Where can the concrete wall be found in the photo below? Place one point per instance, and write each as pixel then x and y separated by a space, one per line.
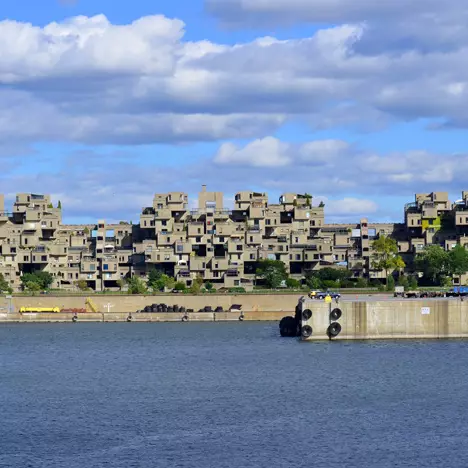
pixel 254 303
pixel 392 320
pixel 123 317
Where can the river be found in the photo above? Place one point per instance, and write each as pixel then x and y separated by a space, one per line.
pixel 202 395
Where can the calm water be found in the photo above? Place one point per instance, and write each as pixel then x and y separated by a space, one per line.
pixel 226 395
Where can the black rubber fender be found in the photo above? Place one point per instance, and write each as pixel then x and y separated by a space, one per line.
pixel 241 318
pixel 306 331
pixel 334 330
pixel 288 327
pixel 74 318
pixel 129 318
pixel 306 314
pixel 185 318
pixel 336 314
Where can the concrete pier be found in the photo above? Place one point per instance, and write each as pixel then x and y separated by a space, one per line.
pixel 414 319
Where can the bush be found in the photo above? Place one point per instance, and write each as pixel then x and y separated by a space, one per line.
pixel 179 286
pixel 136 285
pixel 390 283
pixel 236 290
pixel 208 286
pixel 330 284
pixel 361 283
pixel 403 281
pixel 43 279
pixel 314 283
pixel 292 283
pixel 412 283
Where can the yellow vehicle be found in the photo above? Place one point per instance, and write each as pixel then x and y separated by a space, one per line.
pixel 54 310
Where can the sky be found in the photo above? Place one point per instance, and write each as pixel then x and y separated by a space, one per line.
pixel 361 104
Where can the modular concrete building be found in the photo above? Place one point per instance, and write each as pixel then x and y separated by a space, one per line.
pixel 221 245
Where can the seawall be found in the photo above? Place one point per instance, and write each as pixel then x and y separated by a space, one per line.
pixel 419 319
pixel 130 304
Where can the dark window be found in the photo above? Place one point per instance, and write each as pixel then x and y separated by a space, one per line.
pixel 239 247
pixel 105 266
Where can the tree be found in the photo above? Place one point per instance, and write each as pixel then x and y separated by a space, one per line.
pixel 4 286
pixel 292 283
pixel 32 286
pixel 163 282
pixel 458 260
pixel 412 283
pixel 153 278
pixel 273 272
pixel 385 255
pixel 390 283
pixel 43 279
pixel 209 286
pixel 434 263
pixel 361 283
pixel 59 205
pixel 136 285
pixel 121 283
pixel 82 285
pixel 403 281
pixel 313 282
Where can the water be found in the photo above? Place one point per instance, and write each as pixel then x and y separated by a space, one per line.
pixel 226 395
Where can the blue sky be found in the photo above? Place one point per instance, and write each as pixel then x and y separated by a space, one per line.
pixel 104 103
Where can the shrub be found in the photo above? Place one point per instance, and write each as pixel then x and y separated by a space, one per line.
pixel 390 283
pixel 179 286
pixel 292 283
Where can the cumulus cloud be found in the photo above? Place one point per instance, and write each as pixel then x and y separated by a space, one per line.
pixel 88 80
pixel 272 152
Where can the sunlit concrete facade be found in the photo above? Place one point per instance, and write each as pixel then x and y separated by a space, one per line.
pixel 221 245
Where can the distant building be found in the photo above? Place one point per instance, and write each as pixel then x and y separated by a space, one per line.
pixel 218 244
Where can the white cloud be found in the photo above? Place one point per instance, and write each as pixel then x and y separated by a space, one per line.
pixel 268 152
pixel 87 80
pixel 348 206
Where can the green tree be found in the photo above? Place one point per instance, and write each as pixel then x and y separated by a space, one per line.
pixel 4 286
pixel 412 283
pixel 121 283
pixel 209 286
pixel 136 285
pixel 314 282
pixel 458 260
pixel 385 255
pixel 32 286
pixel 273 272
pixel 403 281
pixel 42 278
pixel 361 283
pixel 59 205
pixel 434 263
pixel 82 285
pixel 164 282
pixel 179 286
pixel 292 283
pixel 390 283
pixel 154 276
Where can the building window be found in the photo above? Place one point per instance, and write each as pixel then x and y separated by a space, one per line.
pixel 44 258
pixel 197 239
pixel 298 256
pixel 105 266
pixel 239 247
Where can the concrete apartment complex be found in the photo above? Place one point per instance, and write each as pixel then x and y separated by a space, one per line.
pixel 221 245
